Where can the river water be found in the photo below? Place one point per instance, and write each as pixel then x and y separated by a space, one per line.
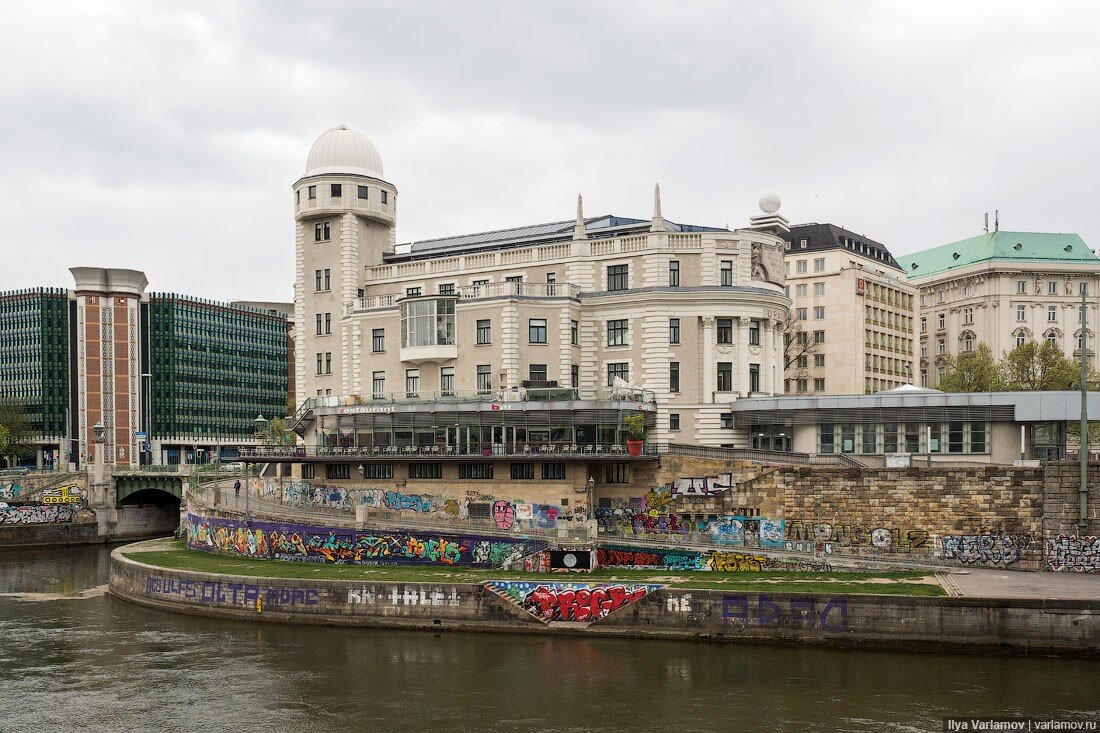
pixel 95 663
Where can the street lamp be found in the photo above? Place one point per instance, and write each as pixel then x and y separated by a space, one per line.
pixel 362 471
pixel 259 426
pixel 100 433
pixel 591 484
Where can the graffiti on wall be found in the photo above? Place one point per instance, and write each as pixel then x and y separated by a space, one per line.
pixel 408 595
pixel 702 485
pixel 210 592
pixel 9 491
pixel 50 514
pixel 310 543
pixel 832 616
pixel 865 537
pixel 1073 554
pixel 720 561
pixel 579 602
pixel 984 549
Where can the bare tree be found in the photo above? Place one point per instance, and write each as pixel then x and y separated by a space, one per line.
pixel 797 341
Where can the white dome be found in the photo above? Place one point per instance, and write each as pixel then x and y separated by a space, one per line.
pixel 341 150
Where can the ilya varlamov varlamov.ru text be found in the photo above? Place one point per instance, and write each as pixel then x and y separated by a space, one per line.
pixel 1022 724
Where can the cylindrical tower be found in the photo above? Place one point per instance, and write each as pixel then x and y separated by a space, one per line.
pixel 345 214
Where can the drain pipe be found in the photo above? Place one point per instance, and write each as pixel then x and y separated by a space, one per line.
pixel 1083 489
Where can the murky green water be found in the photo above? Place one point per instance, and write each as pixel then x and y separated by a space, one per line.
pixel 98 664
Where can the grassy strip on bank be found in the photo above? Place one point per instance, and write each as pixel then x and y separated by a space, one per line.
pixel 176 556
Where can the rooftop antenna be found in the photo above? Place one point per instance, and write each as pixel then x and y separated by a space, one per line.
pixel 996 220
pixel 987 222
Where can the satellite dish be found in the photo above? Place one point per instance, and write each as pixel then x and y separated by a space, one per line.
pixel 770 202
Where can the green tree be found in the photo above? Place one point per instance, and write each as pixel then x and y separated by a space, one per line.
pixel 15 432
pixel 277 433
pixel 972 372
pixel 1038 366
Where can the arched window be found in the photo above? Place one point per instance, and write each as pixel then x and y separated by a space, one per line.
pixel 966 339
pixel 1083 341
pixel 1022 336
pixel 1053 337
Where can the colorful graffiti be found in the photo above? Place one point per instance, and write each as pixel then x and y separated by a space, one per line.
pixel 504 514
pixel 984 549
pixel 702 485
pixel 50 514
pixel 577 602
pixel 1073 554
pixel 309 543
pixel 858 536
pixel 798 612
pixel 719 561
pixel 396 501
pixel 9 491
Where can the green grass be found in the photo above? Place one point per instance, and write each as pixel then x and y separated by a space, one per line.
pixel 176 556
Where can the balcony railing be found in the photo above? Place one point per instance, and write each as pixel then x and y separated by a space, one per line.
pixel 517 394
pixel 533 451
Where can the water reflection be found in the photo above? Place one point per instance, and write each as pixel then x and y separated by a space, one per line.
pixel 104 665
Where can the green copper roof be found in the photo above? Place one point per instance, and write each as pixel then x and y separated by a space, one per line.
pixel 1000 246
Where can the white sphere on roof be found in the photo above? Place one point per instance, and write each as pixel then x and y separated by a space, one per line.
pixel 341 150
pixel 770 202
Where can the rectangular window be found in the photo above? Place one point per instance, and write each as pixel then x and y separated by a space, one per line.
pixel 485 331
pixel 447 381
pixel 754 333
pixel 425 470
pixel 484 378
pixel 309 470
pixel 727 273
pixel 674 376
pixel 819 312
pixel 1052 313
pixel 924 324
pixel 328 279
pixel 800 290
pixel 674 274
pixel 826 439
pixel 819 264
pixel 1083 289
pixel 674 421
pixel 1052 287
pixel 1021 313
pixel 413 292
pixel 522 471
pixel 575 374
pixel 725 330
pixel 320 363
pixel 378 470
pixel 819 337
pixel 475 470
pixel 819 288
pixel 819 385
pixel 537 372
pixel 476 283
pixel 317 280
pixel 977 437
pixel 378 340
pixel 551 278
pixel 362 192
pixel 553 471
pixel 575 333
pixel 378 385
pixel 313 192
pixel 514 279
pixel 803 361
pixel 800 267
pixel 725 420
pixel 338 471
pixel 336 191
pixel 968 316
pixel 321 231
pixel 328 324
pixel 412 382
pixel 328 362
pixel 1021 286
pixel 619 369
pixel 754 377
pixel 617 473
pixel 674 330
pixel 616 332
pixel 536 330
pixel 942 321
pixel 800 385
pixel 819 360
pixel 941 346
pixel 446 288
pixel 725 376
pixel 318 317
pixel 385 196
pixel 618 277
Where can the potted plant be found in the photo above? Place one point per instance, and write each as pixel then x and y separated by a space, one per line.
pixel 635 431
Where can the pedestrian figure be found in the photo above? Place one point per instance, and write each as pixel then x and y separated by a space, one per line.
pixel 237 487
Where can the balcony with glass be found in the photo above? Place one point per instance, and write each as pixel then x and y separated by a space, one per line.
pixel 428 329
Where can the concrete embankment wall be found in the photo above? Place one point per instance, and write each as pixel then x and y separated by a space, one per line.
pixel 631 610
pixel 44 535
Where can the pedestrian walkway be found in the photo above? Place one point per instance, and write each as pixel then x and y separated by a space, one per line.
pixel 1018 584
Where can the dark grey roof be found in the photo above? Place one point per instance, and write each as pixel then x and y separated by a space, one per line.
pixel 820 237
pixel 598 227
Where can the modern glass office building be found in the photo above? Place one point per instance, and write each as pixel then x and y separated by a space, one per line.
pixel 34 368
pixel 214 367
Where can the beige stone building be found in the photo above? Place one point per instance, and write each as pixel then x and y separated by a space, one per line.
pixel 853 314
pixel 692 315
pixel 1003 289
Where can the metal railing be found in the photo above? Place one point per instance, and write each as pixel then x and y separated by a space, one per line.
pixel 467 450
pixel 513 394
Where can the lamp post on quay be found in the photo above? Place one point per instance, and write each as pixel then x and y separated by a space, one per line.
pixel 259 427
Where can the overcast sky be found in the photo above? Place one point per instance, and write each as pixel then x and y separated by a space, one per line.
pixel 165 137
